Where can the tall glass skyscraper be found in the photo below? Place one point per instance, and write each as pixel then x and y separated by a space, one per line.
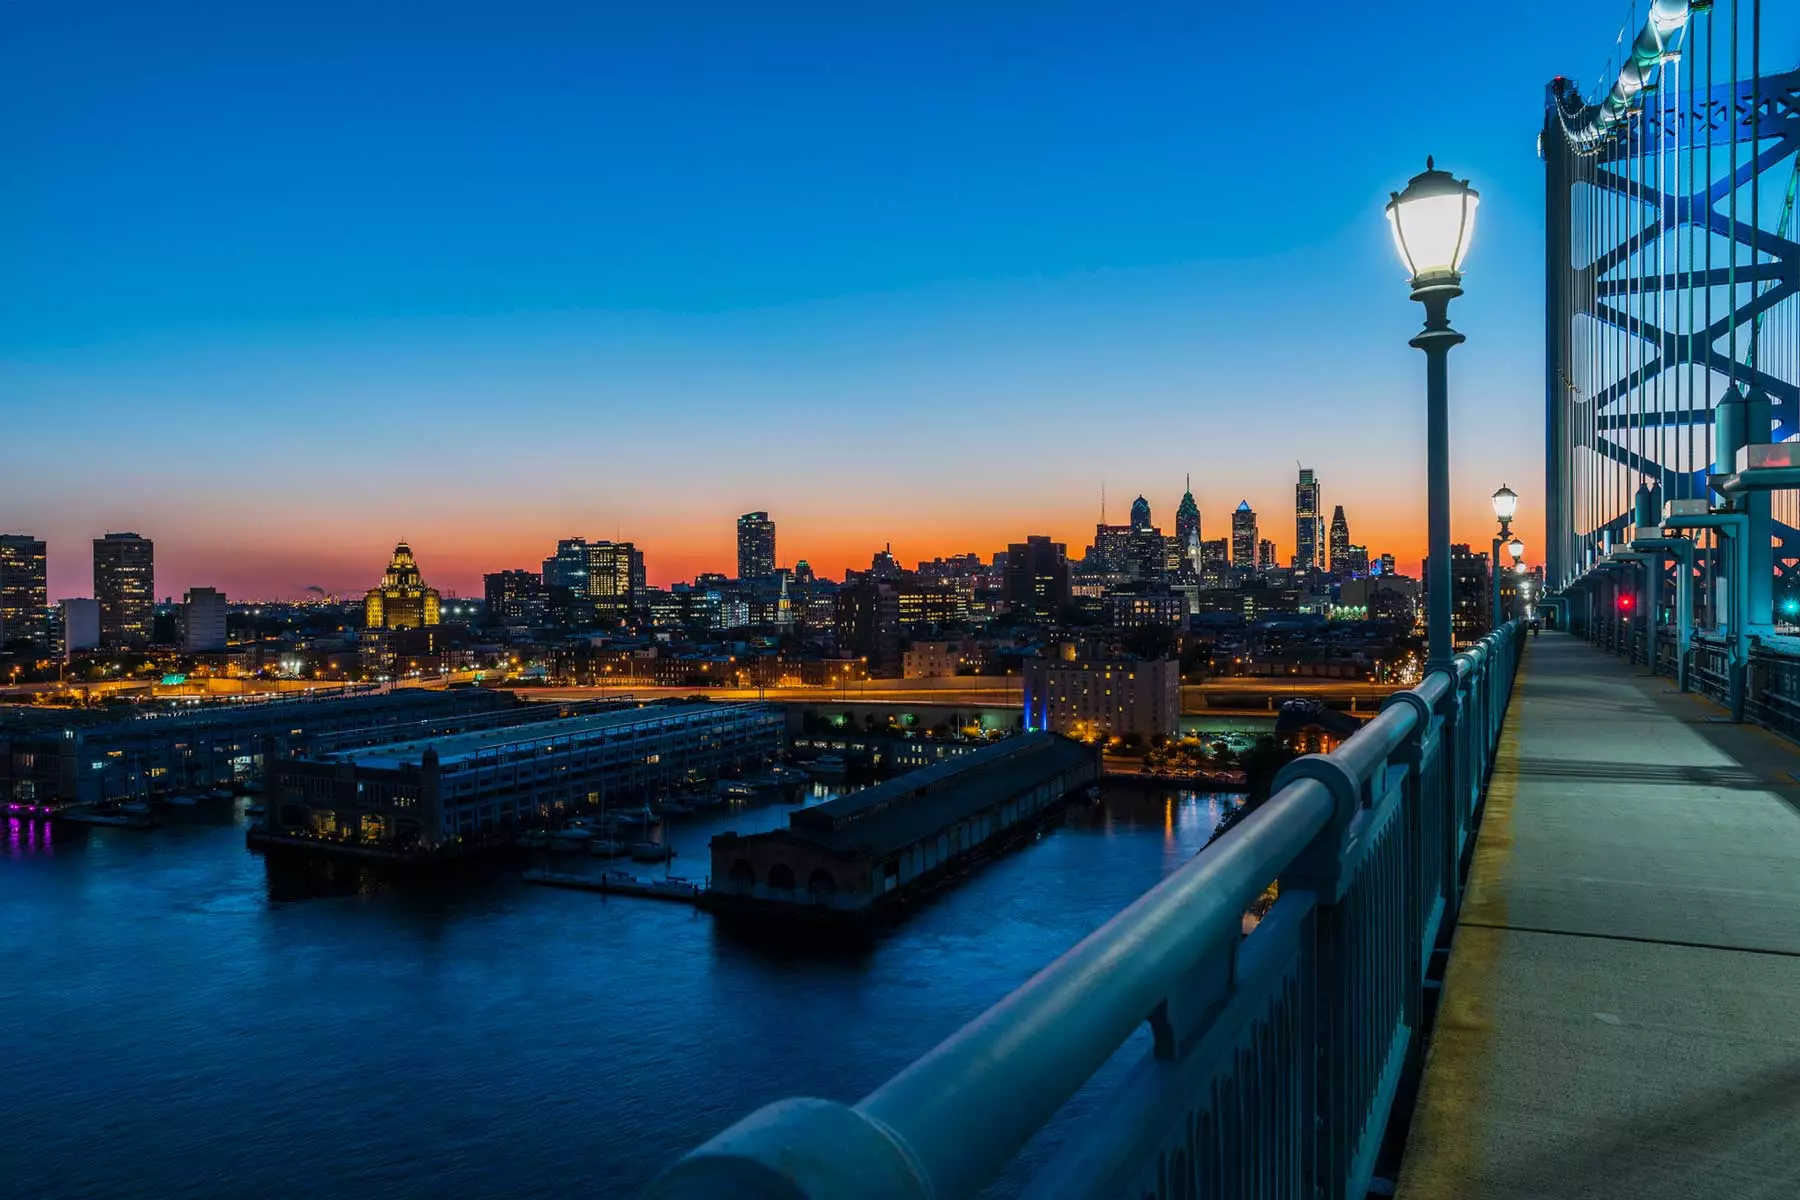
pixel 1140 513
pixel 569 568
pixel 1306 522
pixel 1243 537
pixel 756 546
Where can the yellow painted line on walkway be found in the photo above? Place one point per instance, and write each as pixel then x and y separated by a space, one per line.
pixel 1440 1151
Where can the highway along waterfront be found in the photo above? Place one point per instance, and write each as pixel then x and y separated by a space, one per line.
pixel 192 1019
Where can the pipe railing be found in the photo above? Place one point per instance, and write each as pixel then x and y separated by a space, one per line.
pixel 1275 1056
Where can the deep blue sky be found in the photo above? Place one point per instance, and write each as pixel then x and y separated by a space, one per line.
pixel 282 284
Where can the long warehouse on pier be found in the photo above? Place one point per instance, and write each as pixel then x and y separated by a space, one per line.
pixel 425 796
pixel 847 856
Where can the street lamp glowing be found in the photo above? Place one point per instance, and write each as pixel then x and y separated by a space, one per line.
pixel 1516 548
pixel 1506 503
pixel 1433 222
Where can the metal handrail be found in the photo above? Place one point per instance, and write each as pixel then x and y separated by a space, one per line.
pixel 1364 842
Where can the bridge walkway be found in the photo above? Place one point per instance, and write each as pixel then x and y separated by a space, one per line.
pixel 1622 1003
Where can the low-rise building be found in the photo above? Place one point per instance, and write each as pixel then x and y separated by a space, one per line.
pixel 1103 697
pixel 53 759
pixel 432 794
pixel 936 660
pixel 1137 607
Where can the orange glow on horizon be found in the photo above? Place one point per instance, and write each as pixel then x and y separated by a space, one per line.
pixel 453 556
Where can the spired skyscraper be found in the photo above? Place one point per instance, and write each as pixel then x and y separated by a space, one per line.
pixel 1243 537
pixel 756 546
pixel 1306 522
pixel 1187 527
pixel 125 588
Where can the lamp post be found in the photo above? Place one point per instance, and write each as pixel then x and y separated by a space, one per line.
pixel 1433 221
pixel 1515 549
pixel 1506 503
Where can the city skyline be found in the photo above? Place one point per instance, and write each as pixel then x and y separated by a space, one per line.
pixel 457 569
pixel 828 284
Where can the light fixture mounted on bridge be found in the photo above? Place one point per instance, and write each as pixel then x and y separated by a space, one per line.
pixel 1433 222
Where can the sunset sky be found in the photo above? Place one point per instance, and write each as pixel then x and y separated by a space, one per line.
pixel 283 287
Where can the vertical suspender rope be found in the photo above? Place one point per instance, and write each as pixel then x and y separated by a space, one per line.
pixel 1687 403
pixel 1708 573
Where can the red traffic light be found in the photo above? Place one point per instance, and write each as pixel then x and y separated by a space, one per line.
pixel 1625 603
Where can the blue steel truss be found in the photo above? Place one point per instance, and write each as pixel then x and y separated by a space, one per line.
pixel 1766 115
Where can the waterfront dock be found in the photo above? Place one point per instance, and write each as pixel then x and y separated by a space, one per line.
pixel 617 883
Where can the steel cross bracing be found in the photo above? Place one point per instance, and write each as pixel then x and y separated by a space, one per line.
pixel 1627 283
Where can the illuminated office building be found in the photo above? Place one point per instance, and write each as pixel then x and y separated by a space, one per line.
pixel 756 546
pixel 24 592
pixel 1340 542
pixel 1306 522
pixel 615 578
pixel 1243 537
pixel 568 568
pixel 125 586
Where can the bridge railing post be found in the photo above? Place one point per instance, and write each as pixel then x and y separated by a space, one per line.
pixel 1448 712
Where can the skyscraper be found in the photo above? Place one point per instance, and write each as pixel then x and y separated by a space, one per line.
pixel 1265 554
pixel 401 600
pixel 517 597
pixel 1187 527
pixel 756 546
pixel 24 595
pixel 1306 521
pixel 1140 514
pixel 1243 537
pixel 125 587
pixel 1036 583
pixel 1340 542
pixel 568 568
pixel 613 569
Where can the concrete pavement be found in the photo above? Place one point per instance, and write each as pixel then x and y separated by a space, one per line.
pixel 1622 1006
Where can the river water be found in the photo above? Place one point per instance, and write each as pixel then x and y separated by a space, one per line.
pixel 187 1018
